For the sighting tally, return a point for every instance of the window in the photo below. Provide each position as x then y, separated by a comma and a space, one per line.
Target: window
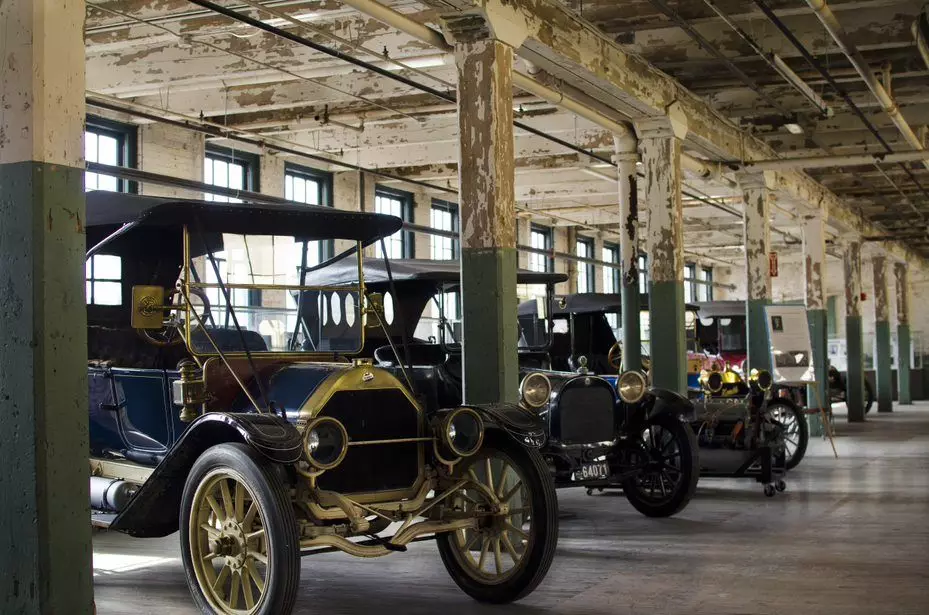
109, 143
227, 168
305, 185
104, 274
643, 273
610, 254
540, 238
690, 283
444, 217
400, 204
705, 284
586, 281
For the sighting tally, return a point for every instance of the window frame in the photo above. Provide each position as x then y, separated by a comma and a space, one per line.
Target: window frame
90, 281
251, 165
407, 242
548, 234
706, 283
453, 209
612, 272
588, 268
690, 283
642, 265
127, 137
324, 180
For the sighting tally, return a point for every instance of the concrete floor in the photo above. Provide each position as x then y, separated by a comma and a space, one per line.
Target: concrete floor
850, 536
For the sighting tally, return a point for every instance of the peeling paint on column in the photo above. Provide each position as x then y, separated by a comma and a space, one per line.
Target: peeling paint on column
488, 201
814, 251
852, 266
756, 198
664, 217
903, 295
881, 295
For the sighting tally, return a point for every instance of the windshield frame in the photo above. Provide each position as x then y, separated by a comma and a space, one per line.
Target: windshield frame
190, 320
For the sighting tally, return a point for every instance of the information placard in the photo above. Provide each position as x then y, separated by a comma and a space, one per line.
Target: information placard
791, 347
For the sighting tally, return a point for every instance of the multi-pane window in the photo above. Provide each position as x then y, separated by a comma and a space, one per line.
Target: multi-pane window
103, 275
540, 238
643, 272
400, 204
690, 283
610, 254
443, 217
705, 284
305, 185
229, 169
109, 143
585, 271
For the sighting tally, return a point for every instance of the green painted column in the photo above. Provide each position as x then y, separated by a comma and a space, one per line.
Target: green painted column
488, 210
904, 348
882, 356
756, 197
660, 147
45, 551
626, 158
853, 344
814, 253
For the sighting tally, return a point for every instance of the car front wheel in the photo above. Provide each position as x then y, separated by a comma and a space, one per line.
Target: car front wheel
796, 431
239, 539
670, 469
509, 552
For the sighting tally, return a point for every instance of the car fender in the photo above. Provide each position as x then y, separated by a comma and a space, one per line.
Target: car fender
669, 402
525, 426
153, 512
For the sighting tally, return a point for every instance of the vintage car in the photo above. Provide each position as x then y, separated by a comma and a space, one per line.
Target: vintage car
583, 332
220, 408
600, 433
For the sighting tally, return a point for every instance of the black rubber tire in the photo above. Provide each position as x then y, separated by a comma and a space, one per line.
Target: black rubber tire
543, 534
690, 469
277, 515
803, 432
868, 396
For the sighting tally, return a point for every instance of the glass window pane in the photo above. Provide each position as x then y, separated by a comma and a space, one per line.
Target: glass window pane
108, 293
107, 182
289, 187
299, 190
108, 150
88, 291
107, 267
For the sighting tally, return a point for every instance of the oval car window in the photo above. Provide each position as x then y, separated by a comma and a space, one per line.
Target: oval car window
388, 308
336, 308
323, 306
350, 310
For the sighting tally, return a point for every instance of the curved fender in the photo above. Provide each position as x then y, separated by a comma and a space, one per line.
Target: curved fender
525, 426
153, 512
669, 402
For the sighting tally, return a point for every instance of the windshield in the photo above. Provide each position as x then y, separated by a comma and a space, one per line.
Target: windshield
272, 305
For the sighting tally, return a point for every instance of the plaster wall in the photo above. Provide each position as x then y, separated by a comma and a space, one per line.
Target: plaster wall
172, 151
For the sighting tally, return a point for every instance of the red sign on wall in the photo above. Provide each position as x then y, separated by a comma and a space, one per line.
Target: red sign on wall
772, 264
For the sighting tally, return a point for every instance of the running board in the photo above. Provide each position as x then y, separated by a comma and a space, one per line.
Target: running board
102, 520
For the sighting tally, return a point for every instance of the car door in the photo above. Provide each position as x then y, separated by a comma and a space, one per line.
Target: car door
143, 411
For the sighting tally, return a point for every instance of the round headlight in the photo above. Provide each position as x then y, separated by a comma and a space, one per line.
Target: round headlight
762, 378
462, 432
535, 390
325, 442
631, 387
714, 382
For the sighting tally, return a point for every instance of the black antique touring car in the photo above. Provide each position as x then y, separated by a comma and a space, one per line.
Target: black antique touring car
600, 433
225, 403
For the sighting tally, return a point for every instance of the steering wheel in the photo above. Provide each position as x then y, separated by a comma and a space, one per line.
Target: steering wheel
615, 356
169, 334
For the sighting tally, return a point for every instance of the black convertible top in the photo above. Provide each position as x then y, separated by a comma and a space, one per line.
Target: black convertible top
113, 209
412, 269
587, 303
714, 309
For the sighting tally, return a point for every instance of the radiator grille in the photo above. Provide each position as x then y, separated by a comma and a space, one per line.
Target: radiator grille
586, 413
375, 414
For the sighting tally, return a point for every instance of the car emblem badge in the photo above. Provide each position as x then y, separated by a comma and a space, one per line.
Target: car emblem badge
587, 381
367, 376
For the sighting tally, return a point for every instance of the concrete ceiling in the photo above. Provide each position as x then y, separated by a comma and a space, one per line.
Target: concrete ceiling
191, 61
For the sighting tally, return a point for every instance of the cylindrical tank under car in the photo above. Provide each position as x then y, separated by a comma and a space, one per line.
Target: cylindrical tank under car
110, 494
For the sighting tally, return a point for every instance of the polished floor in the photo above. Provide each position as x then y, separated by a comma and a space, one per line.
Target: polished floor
850, 536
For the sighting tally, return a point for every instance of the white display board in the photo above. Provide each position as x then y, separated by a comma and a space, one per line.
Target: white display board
791, 347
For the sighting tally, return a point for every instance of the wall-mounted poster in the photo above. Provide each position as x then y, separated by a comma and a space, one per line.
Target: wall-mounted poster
791, 348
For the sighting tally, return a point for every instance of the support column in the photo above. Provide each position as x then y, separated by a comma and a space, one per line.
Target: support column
854, 377
882, 368
814, 252
660, 146
486, 173
626, 157
571, 266
756, 197
45, 552
904, 365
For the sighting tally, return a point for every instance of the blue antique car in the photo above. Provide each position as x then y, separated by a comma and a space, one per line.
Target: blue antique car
600, 432
227, 402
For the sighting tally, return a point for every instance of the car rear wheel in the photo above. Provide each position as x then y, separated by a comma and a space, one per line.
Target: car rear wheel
669, 477
508, 554
239, 538
796, 431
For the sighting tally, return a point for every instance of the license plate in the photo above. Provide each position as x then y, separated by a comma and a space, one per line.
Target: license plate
593, 471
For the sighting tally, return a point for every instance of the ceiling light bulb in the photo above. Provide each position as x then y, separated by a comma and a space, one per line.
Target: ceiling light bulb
794, 128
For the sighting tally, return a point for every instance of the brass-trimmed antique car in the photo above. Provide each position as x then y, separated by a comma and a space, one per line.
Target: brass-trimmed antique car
229, 407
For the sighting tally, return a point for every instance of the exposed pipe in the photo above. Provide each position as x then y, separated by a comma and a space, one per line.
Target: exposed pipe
822, 162
888, 104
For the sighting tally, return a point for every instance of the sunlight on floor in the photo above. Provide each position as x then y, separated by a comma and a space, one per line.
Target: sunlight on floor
112, 563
